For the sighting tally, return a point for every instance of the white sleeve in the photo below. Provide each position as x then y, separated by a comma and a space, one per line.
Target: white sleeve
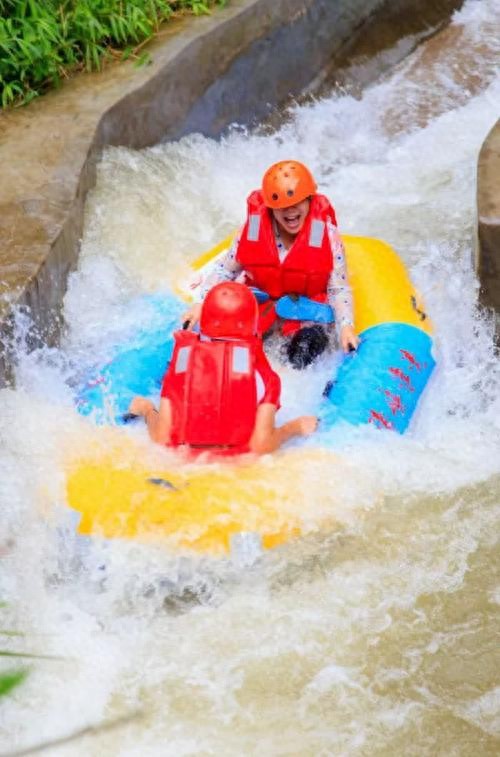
338, 289
226, 268
261, 387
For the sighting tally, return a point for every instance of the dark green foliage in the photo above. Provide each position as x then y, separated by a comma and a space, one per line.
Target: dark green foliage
42, 41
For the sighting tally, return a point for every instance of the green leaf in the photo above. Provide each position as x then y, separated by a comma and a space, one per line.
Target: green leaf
144, 59
127, 52
9, 681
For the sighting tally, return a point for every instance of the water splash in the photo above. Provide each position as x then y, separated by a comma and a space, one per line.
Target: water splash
370, 639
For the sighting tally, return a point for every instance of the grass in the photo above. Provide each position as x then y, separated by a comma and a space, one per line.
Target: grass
43, 42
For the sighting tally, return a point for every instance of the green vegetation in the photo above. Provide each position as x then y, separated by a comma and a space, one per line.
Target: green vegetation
9, 681
11, 678
44, 41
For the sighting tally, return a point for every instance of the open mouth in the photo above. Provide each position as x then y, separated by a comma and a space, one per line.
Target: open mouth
292, 220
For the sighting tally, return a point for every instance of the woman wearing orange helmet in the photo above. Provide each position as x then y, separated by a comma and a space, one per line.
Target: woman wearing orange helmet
291, 253
219, 392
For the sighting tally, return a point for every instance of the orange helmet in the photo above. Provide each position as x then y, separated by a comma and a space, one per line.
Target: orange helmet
287, 183
229, 310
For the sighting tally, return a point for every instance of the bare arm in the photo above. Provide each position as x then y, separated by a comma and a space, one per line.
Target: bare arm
267, 438
159, 422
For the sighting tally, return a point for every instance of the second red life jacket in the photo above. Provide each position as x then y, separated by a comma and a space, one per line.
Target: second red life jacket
212, 389
307, 265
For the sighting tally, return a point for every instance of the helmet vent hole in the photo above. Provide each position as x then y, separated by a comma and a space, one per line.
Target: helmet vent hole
275, 196
290, 193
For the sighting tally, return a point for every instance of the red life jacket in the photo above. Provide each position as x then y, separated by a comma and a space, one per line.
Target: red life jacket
309, 262
212, 389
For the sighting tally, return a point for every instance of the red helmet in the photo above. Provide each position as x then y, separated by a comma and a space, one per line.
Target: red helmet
286, 183
229, 311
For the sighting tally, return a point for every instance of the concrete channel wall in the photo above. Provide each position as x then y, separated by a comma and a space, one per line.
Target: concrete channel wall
206, 73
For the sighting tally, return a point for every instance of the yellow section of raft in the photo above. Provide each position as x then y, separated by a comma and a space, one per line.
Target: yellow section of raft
382, 290
197, 508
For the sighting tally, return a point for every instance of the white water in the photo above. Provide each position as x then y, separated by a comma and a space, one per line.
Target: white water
377, 639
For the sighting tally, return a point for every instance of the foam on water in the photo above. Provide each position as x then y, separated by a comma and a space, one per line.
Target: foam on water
375, 639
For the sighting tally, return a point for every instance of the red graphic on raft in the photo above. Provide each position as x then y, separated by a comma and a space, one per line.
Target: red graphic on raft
405, 381
410, 357
394, 401
379, 420
95, 381
195, 282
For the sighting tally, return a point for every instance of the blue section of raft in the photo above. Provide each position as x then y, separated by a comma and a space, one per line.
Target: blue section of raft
382, 381
379, 384
134, 368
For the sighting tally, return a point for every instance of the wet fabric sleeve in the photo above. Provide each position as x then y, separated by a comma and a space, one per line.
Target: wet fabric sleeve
270, 379
338, 290
226, 268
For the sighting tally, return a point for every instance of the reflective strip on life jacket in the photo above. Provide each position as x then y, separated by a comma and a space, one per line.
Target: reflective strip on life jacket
316, 233
241, 360
182, 359
253, 228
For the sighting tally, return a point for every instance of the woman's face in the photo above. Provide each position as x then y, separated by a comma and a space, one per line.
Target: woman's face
293, 218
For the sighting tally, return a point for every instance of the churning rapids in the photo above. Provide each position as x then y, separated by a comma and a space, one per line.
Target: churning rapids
377, 638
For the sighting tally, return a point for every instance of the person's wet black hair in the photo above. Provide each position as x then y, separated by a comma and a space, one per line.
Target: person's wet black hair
306, 345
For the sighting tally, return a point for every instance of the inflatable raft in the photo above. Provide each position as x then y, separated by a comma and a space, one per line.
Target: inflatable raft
204, 509
380, 383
